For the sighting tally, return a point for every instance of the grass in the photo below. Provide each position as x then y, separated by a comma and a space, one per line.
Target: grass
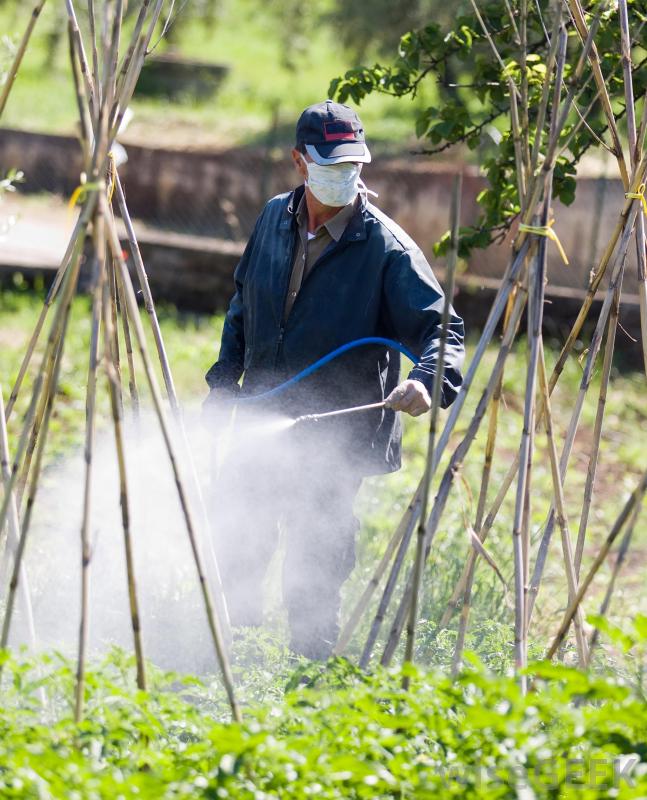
273, 76
192, 343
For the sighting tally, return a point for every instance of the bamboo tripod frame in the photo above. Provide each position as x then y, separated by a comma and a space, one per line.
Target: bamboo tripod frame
103, 89
524, 282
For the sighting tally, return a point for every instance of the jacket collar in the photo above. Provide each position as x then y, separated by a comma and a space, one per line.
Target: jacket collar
355, 230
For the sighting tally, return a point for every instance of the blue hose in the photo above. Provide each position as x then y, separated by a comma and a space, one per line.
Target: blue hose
330, 357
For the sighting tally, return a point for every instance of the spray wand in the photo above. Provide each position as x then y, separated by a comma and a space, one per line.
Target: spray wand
338, 412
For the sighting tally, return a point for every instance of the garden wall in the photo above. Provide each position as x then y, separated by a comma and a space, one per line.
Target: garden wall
219, 194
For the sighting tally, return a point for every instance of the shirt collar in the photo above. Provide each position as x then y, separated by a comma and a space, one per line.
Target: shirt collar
335, 225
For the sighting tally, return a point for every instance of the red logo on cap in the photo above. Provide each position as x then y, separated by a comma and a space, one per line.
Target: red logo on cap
339, 131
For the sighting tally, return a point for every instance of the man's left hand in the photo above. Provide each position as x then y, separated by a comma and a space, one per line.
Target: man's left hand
410, 396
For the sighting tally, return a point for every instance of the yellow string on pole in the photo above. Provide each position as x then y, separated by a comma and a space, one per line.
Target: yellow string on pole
546, 230
83, 188
81, 191
639, 195
112, 172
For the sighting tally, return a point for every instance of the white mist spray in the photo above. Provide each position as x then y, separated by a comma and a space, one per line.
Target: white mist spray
173, 621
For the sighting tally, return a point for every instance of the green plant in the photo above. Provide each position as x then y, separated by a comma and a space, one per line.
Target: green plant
474, 99
335, 733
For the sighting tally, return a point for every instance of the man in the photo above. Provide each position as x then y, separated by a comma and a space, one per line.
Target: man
323, 267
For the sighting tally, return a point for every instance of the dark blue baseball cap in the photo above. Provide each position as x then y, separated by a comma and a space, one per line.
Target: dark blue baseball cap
332, 133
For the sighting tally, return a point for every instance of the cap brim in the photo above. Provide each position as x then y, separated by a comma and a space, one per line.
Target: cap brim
338, 152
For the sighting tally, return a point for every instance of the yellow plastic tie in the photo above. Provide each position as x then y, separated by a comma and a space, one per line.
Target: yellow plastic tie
83, 188
546, 230
639, 195
80, 192
112, 172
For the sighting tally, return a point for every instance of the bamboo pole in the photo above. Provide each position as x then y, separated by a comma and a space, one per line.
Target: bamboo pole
85, 120
635, 147
556, 8
622, 554
134, 39
562, 519
98, 157
120, 306
635, 499
126, 86
13, 532
597, 427
112, 306
467, 575
594, 60
42, 379
408, 518
91, 87
508, 282
523, 102
175, 406
433, 423
587, 375
54, 365
110, 358
130, 74
452, 469
93, 40
536, 283
212, 616
77, 234
90, 425
147, 295
111, 49
37, 421
387, 594
627, 217
20, 52
466, 580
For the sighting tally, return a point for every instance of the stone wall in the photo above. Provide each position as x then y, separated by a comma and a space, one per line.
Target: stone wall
219, 194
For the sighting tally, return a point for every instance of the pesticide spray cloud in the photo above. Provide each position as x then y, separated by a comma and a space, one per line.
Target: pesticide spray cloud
237, 465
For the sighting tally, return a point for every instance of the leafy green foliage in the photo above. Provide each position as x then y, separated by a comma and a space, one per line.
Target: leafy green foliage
335, 733
474, 98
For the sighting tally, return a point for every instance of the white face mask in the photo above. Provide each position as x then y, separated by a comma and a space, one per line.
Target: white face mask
334, 184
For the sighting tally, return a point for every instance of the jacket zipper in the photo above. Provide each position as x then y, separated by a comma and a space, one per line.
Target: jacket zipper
279, 343
326, 254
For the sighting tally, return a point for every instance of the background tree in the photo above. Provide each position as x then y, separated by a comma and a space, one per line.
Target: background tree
473, 101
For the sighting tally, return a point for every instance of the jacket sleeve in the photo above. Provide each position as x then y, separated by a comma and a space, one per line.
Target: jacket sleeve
226, 372
414, 304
